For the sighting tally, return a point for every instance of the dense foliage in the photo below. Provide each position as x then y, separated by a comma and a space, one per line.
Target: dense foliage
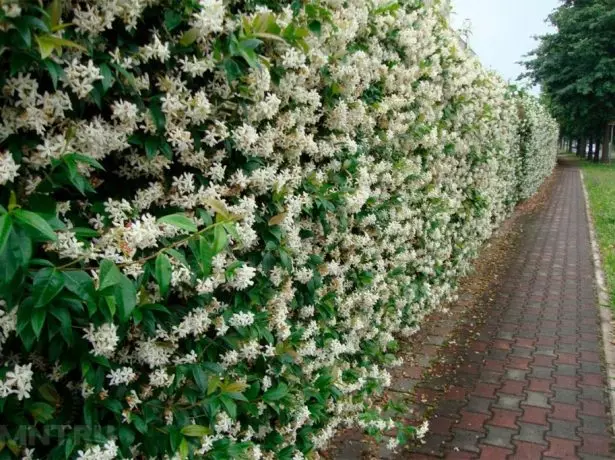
575, 67
216, 217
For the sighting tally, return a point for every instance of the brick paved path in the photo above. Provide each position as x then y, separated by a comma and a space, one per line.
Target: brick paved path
534, 386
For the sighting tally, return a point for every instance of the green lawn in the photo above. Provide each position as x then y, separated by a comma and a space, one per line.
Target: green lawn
600, 183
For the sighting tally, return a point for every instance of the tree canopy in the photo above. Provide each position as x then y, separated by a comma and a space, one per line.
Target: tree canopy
576, 66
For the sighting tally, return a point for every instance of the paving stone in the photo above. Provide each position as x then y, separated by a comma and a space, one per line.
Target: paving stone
509, 402
539, 372
561, 448
566, 369
494, 453
592, 368
504, 418
530, 432
478, 404
537, 399
501, 437
472, 421
566, 396
564, 429
597, 445
594, 425
465, 440
592, 393
528, 450
522, 352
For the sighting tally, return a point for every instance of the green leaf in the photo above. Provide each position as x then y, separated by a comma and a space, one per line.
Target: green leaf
195, 431
34, 222
82, 285
108, 78
84, 232
139, 424
220, 239
48, 43
158, 117
63, 316
109, 275
172, 19
229, 405
46, 47
126, 296
48, 283
315, 26
49, 393
55, 12
275, 394
85, 159
55, 71
24, 30
5, 229
199, 377
126, 436
38, 320
179, 221
163, 273
42, 412
189, 37
16, 254
151, 146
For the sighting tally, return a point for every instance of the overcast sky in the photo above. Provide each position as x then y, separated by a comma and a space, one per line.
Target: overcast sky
503, 30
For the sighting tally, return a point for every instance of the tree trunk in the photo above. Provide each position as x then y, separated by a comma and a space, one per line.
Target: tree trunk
597, 151
569, 145
606, 145
590, 150
581, 147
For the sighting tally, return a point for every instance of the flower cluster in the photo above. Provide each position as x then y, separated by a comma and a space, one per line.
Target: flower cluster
217, 217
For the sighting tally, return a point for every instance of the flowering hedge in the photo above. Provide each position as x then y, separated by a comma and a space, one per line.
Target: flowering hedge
217, 216
538, 134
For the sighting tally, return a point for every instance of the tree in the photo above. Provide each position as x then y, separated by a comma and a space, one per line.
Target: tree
576, 67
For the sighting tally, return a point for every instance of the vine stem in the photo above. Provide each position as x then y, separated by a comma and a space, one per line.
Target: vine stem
151, 256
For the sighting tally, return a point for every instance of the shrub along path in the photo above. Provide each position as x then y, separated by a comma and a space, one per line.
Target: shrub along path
531, 385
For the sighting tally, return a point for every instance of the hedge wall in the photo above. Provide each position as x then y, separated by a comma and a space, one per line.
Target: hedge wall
217, 216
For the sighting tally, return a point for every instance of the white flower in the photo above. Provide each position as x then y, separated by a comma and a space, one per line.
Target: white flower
104, 339
81, 77
160, 378
241, 319
422, 430
109, 451
18, 382
8, 168
243, 277
121, 376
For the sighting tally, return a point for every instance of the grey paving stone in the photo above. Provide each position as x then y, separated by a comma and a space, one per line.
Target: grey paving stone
566, 369
534, 398
540, 372
501, 437
530, 432
465, 440
564, 429
594, 425
566, 396
508, 402
515, 374
592, 393
478, 404
591, 368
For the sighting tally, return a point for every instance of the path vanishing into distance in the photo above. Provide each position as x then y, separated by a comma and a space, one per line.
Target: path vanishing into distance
532, 385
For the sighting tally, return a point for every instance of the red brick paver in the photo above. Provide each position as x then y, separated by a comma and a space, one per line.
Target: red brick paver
539, 392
